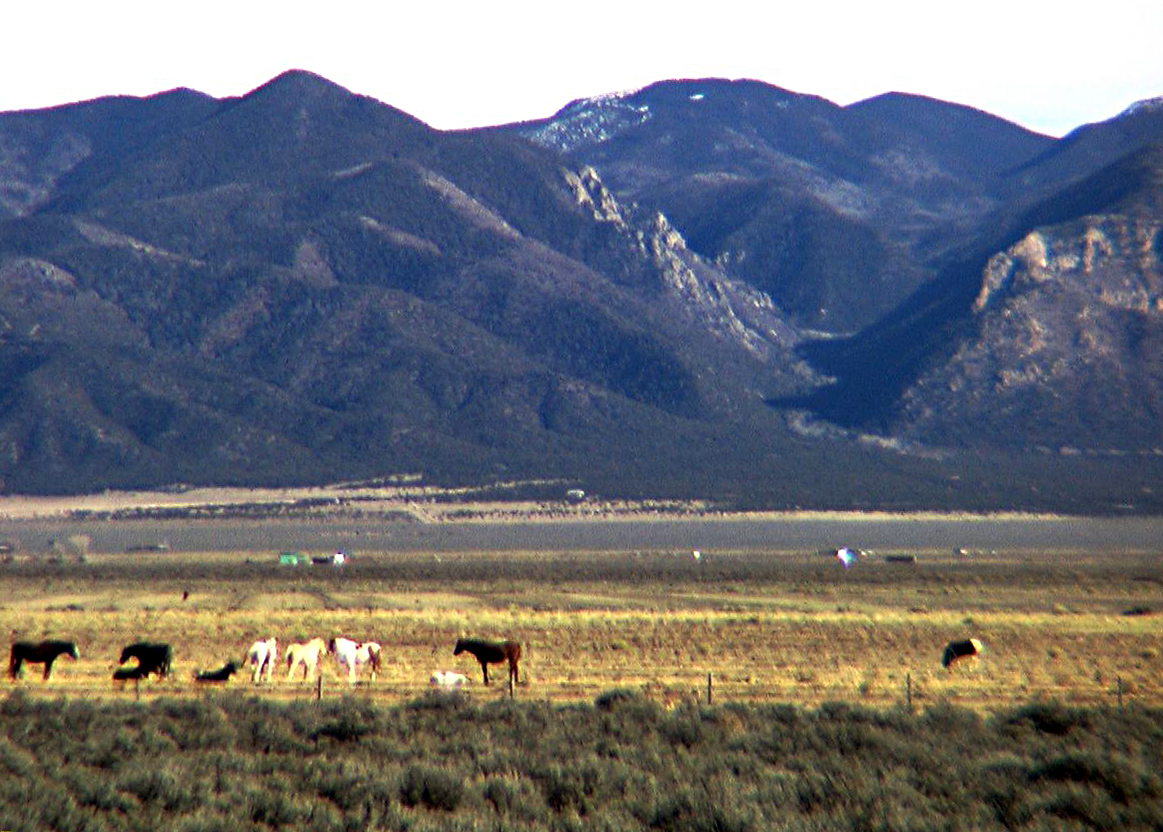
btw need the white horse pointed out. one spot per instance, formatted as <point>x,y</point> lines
<point>307,655</point>
<point>353,655</point>
<point>263,655</point>
<point>448,681</point>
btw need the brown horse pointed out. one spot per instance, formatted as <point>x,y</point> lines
<point>39,652</point>
<point>491,652</point>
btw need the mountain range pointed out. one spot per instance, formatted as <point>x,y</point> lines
<point>704,288</point>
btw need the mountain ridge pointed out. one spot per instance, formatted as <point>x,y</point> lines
<point>303,285</point>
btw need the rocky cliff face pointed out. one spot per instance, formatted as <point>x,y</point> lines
<point>1068,343</point>
<point>832,211</point>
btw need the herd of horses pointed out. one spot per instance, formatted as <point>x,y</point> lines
<point>352,658</point>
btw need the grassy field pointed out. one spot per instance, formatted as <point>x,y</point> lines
<point>1081,628</point>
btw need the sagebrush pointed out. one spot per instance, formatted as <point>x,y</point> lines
<point>232,761</point>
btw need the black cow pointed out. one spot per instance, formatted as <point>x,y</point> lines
<point>151,658</point>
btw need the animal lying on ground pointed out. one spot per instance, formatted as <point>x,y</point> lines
<point>447,680</point>
<point>263,655</point>
<point>222,674</point>
<point>955,650</point>
<point>491,652</point>
<point>123,674</point>
<point>352,656</point>
<point>39,652</point>
<point>151,658</point>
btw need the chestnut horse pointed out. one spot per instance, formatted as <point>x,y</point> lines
<point>39,652</point>
<point>491,652</point>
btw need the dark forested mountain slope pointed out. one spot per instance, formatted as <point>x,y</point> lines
<point>302,284</point>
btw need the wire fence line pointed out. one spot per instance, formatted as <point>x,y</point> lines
<point>669,689</point>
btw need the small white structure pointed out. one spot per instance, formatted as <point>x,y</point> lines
<point>848,556</point>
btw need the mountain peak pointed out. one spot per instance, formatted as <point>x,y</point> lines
<point>1147,105</point>
<point>300,83</point>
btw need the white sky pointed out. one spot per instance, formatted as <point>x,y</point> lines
<point>1046,64</point>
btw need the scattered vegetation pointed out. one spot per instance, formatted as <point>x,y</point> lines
<point>830,708</point>
<point>230,761</point>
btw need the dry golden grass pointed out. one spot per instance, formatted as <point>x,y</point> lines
<point>767,626</point>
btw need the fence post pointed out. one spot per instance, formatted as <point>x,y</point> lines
<point>710,690</point>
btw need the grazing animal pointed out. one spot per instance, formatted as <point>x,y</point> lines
<point>222,674</point>
<point>39,652</point>
<point>491,652</point>
<point>955,650</point>
<point>448,681</point>
<point>151,658</point>
<point>263,654</point>
<point>352,656</point>
<point>306,655</point>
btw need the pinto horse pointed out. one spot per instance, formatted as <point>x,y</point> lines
<point>263,655</point>
<point>39,652</point>
<point>353,655</point>
<point>491,652</point>
<point>151,658</point>
<point>307,655</point>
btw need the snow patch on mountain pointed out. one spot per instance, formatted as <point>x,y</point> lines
<point>589,121</point>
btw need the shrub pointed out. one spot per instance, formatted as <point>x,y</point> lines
<point>432,788</point>
<point>1049,718</point>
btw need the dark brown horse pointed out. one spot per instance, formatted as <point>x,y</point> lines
<point>39,652</point>
<point>491,652</point>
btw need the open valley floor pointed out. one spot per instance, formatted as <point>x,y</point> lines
<point>684,610</point>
